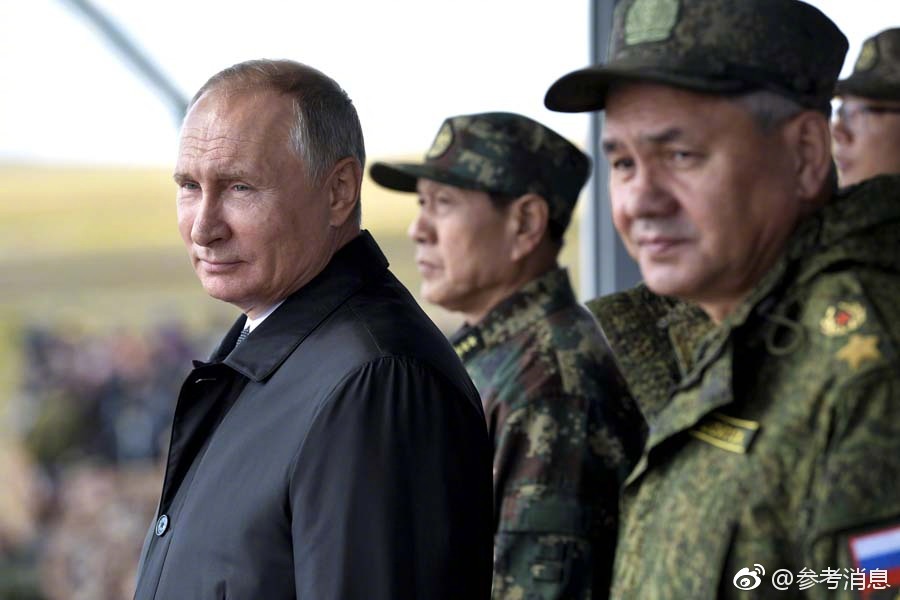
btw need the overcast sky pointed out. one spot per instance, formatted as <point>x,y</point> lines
<point>67,96</point>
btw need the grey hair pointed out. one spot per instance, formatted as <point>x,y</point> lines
<point>769,109</point>
<point>326,128</point>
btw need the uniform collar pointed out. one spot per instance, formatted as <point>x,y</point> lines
<point>357,263</point>
<point>531,303</point>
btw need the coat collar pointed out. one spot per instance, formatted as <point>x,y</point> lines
<point>357,263</point>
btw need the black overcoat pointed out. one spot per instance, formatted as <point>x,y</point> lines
<point>339,452</point>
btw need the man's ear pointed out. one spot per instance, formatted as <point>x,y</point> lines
<point>809,137</point>
<point>529,217</point>
<point>343,185</point>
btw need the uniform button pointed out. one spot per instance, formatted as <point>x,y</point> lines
<point>162,524</point>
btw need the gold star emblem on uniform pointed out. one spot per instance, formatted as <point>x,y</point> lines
<point>466,345</point>
<point>842,318</point>
<point>859,348</point>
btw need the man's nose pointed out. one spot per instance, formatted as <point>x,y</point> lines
<point>421,230</point>
<point>209,225</point>
<point>645,195</point>
<point>840,132</point>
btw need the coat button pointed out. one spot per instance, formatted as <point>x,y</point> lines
<point>162,524</point>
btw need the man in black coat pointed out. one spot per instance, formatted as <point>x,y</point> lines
<point>333,447</point>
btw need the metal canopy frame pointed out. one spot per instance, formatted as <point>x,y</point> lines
<point>132,54</point>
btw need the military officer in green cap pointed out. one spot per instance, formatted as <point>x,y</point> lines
<point>496,193</point>
<point>866,132</point>
<point>764,345</point>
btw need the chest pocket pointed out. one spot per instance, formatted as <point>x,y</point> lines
<point>689,505</point>
<point>679,522</point>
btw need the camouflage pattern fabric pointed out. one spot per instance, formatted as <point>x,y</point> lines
<point>876,73</point>
<point>565,435</point>
<point>775,436</point>
<point>714,46</point>
<point>499,153</point>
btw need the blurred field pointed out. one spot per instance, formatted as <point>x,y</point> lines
<point>97,249</point>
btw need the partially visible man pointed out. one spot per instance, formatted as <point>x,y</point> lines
<point>765,348</point>
<point>333,446</point>
<point>496,193</point>
<point>866,131</point>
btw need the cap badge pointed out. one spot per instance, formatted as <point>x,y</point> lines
<point>868,56</point>
<point>442,142</point>
<point>842,318</point>
<point>650,21</point>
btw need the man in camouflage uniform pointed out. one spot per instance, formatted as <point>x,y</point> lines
<point>765,348</point>
<point>496,192</point>
<point>866,132</point>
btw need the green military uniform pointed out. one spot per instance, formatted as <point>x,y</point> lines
<point>563,441</point>
<point>772,464</point>
<point>775,436</point>
<point>564,432</point>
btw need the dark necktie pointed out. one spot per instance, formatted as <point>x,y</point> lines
<point>243,336</point>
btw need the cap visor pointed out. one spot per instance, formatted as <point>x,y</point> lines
<point>403,176</point>
<point>400,177</point>
<point>867,88</point>
<point>586,89</point>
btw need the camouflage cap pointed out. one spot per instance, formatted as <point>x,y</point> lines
<point>500,153</point>
<point>876,73</point>
<point>713,46</point>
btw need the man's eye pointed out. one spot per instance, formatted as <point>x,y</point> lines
<point>620,164</point>
<point>189,185</point>
<point>683,156</point>
<point>240,187</point>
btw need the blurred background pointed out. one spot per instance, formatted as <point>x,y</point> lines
<point>100,312</point>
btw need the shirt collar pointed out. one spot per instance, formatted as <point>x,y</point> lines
<point>252,324</point>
